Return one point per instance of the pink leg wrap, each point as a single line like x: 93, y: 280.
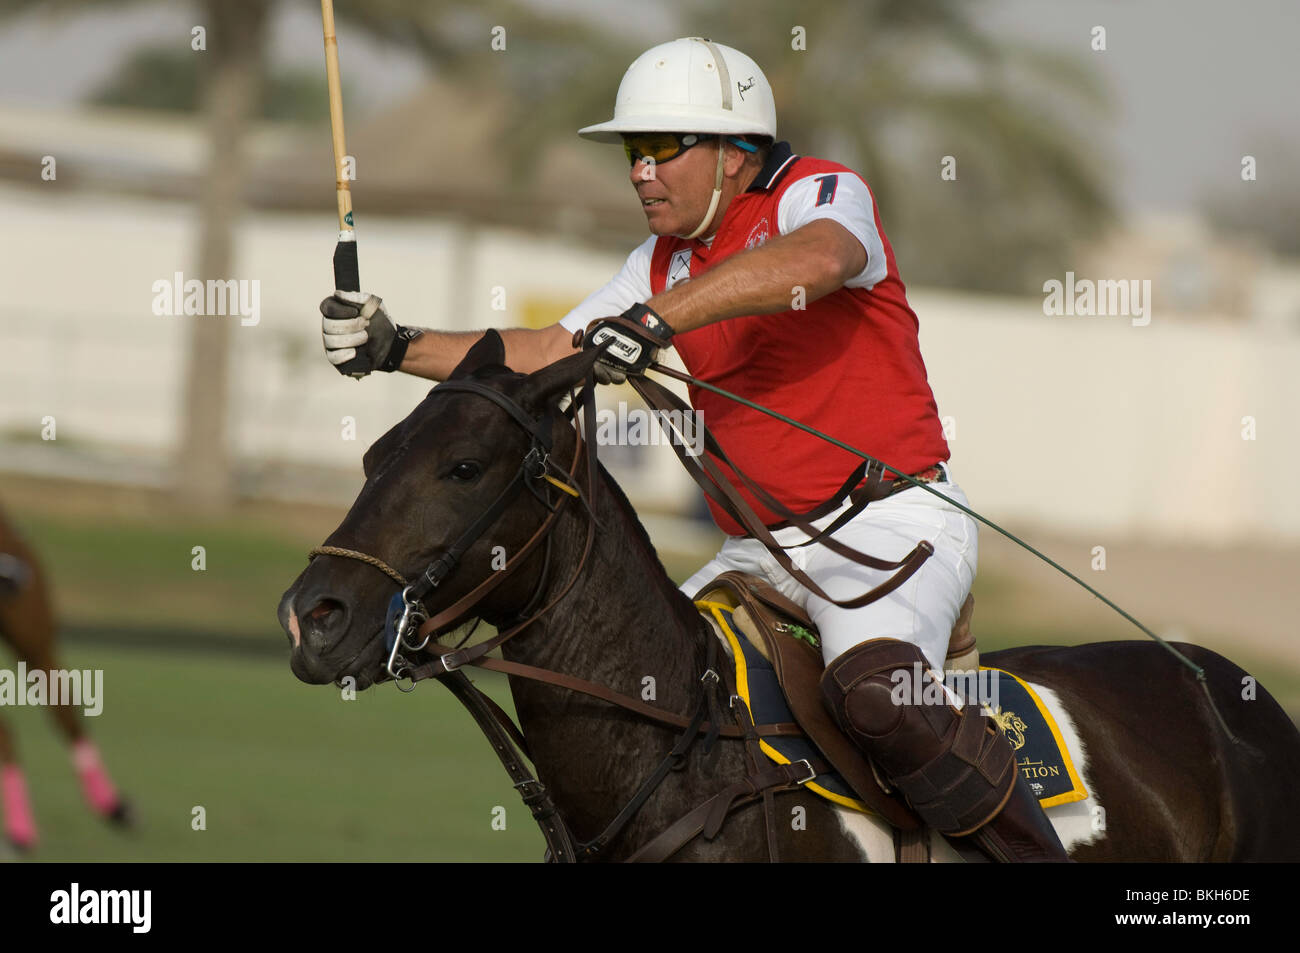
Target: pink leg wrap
x: 20, y: 823
x: 96, y: 785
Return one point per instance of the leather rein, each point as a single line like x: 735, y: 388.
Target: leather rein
x: 409, y: 626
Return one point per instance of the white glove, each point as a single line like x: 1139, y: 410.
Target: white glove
x: 354, y: 324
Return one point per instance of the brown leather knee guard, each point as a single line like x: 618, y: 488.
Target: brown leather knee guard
x: 954, y: 767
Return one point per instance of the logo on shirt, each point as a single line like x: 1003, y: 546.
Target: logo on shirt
x: 758, y: 234
x: 679, y: 267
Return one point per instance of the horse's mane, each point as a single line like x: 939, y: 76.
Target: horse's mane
x: 664, y: 580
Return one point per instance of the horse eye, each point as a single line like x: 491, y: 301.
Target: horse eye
x: 464, y: 471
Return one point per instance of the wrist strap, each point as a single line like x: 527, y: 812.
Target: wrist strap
x: 397, y: 353
x: 648, y: 318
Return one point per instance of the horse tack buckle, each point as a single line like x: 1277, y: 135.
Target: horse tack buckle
x: 812, y: 773
x: 535, y: 462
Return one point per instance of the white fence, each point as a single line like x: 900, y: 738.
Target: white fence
x: 1082, y: 424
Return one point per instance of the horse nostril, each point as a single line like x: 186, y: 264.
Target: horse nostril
x: 324, y: 623
x: 323, y: 609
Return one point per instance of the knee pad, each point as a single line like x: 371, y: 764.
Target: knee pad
x: 953, y: 765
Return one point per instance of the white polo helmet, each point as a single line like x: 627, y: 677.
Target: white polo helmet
x: 690, y: 85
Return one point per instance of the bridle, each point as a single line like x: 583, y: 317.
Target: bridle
x: 406, y: 618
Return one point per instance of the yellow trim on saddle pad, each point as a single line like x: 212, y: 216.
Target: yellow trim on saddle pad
x: 742, y: 689
x: 1077, y: 791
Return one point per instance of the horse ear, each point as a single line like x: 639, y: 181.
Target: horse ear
x: 489, y: 349
x: 542, y: 387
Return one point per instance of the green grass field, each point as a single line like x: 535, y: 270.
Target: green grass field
x: 202, y: 710
x: 285, y: 771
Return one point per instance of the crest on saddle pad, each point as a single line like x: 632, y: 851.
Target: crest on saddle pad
x: 762, y: 681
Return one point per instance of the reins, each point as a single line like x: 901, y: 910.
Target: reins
x: 408, y: 626
x: 406, y: 614
x: 658, y: 396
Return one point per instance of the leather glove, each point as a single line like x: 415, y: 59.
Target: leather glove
x: 637, y: 335
x: 355, y: 324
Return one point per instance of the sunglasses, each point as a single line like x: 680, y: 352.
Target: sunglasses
x: 659, y: 147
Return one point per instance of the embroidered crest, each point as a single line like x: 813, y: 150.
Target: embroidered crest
x: 679, y: 267
x: 758, y: 234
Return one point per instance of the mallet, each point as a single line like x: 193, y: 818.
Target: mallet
x: 346, y: 274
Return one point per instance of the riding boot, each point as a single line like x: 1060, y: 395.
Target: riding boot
x: 1021, y: 832
x: 953, y: 765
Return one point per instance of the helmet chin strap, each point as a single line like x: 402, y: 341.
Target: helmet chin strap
x: 717, y: 194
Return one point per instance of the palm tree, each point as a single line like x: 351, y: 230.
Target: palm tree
x: 889, y: 87
x: 453, y: 34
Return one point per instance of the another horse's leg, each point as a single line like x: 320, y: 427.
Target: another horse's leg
x: 96, y: 786
x: 27, y: 623
x: 19, y: 821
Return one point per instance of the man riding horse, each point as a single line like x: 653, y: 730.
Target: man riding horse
x: 772, y: 276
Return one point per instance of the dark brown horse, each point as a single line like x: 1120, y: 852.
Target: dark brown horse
x: 27, y: 625
x: 1165, y: 783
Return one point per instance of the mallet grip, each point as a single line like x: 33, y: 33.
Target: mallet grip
x: 347, y: 275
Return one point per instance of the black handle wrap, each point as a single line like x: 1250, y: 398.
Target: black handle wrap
x: 347, y: 277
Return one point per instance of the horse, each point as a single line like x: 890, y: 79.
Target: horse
x: 1164, y: 780
x: 27, y: 624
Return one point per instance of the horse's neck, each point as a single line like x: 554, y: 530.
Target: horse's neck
x: 623, y: 620
x: 623, y: 625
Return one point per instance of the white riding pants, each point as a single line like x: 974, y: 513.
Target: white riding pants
x: 922, y: 611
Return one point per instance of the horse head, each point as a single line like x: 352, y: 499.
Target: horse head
x: 428, y: 480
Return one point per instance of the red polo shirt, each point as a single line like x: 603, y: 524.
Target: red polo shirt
x: 848, y: 364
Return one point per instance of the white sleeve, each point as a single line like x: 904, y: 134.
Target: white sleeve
x: 844, y: 198
x: 630, y: 286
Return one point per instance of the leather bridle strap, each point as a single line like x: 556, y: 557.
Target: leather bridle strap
x: 532, y: 467
x: 596, y: 690
x: 454, y: 659
x: 708, y: 817
x: 559, y: 841
x: 454, y: 613
x: 675, y: 760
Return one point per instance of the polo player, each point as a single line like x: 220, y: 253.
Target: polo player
x: 771, y: 275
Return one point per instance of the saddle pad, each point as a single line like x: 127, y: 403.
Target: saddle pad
x: 756, y: 683
x: 1040, y: 753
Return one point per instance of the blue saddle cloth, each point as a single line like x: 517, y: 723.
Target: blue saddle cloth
x: 1019, y: 712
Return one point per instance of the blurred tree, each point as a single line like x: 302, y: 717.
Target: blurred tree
x: 168, y: 79
x: 1266, y: 207
x: 455, y: 35
x: 890, y: 87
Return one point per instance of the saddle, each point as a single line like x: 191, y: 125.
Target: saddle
x: 781, y: 632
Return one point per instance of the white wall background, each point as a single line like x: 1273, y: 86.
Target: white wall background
x: 1080, y: 424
